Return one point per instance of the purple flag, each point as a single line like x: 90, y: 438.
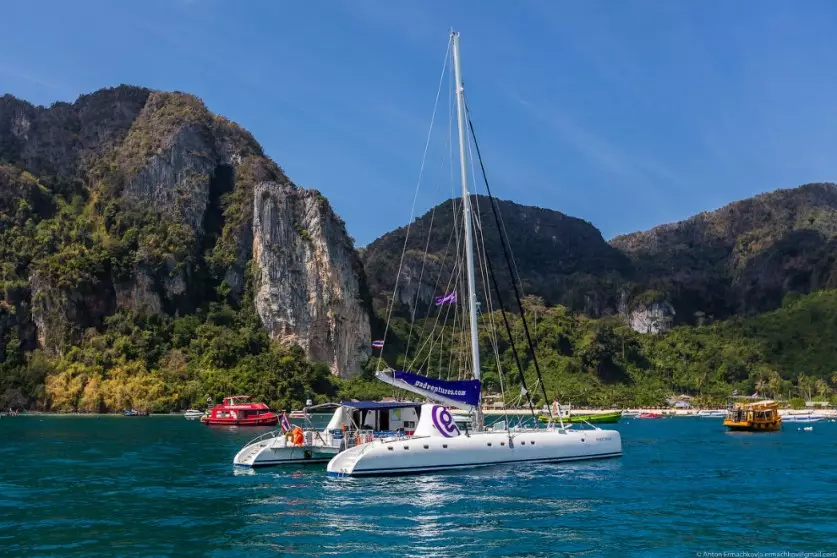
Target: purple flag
x: 449, y: 298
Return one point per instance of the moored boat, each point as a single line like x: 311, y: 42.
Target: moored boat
x: 352, y: 423
x: 803, y: 417
x: 754, y: 417
x: 607, y: 417
x: 707, y: 413
x: 192, y: 414
x: 238, y: 410
x: 438, y: 444
x: 649, y: 415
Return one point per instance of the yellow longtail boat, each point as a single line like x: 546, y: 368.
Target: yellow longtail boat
x: 754, y: 417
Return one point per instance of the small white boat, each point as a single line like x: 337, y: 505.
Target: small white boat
x: 192, y: 414
x: 707, y: 413
x: 803, y: 417
x: 298, y: 415
x: 630, y: 413
x: 353, y: 423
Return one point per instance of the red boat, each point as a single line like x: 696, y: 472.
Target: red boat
x: 650, y: 415
x: 239, y: 411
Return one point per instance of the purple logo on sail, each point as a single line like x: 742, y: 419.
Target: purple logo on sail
x: 443, y: 421
x: 447, y: 298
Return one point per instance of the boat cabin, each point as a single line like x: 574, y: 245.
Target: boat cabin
x: 368, y: 420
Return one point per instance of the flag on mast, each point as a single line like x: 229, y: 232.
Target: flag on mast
x: 447, y: 298
x: 378, y: 344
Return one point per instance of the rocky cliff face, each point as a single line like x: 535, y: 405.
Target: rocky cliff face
x: 743, y: 258
x: 307, y: 276
x: 159, y: 206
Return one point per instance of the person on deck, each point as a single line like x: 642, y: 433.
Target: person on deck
x: 298, y: 437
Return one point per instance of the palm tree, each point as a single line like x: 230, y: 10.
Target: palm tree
x: 774, y: 383
x: 822, y: 388
x: 761, y: 386
x: 806, y: 386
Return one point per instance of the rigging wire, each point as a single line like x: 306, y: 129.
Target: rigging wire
x: 500, y: 230
x: 482, y: 257
x: 415, y: 199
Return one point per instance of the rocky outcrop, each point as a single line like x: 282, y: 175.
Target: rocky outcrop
x: 654, y: 318
x: 176, y: 221
x: 308, y: 277
x: 742, y: 258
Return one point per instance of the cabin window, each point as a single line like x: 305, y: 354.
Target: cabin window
x: 532, y: 442
x: 502, y: 443
x: 445, y: 446
x: 409, y: 424
x: 522, y: 443
x: 426, y: 446
x: 406, y: 447
x: 489, y: 444
x: 390, y: 448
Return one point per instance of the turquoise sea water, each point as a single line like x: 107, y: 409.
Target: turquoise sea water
x: 164, y: 486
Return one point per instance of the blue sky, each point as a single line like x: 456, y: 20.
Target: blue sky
x: 627, y: 114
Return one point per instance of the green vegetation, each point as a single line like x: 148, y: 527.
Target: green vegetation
x: 787, y: 353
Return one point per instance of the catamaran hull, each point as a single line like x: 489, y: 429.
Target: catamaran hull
x: 265, y: 455
x: 430, y: 454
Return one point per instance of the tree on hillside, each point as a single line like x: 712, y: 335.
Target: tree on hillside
x: 822, y: 388
x: 806, y: 386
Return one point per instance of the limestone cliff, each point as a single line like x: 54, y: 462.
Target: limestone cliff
x: 307, y: 276
x: 157, y: 206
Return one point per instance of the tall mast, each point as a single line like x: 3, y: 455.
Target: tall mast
x: 466, y: 206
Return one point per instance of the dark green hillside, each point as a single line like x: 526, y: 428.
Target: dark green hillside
x: 560, y: 258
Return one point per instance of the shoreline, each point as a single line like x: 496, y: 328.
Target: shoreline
x: 829, y: 412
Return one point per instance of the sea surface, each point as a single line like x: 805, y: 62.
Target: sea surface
x: 165, y: 486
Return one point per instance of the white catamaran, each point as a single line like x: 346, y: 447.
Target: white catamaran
x: 438, y: 443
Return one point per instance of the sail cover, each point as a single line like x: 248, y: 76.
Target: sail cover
x: 460, y: 393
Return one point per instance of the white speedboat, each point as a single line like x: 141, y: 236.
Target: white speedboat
x: 707, y: 413
x: 352, y: 423
x: 803, y: 417
x: 438, y: 444
x: 192, y: 414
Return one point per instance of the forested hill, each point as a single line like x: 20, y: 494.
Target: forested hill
x: 741, y: 259
x: 562, y: 259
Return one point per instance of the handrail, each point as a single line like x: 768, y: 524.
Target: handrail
x: 276, y: 434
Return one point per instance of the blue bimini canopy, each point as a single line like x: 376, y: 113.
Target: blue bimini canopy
x: 365, y: 405
x: 375, y: 405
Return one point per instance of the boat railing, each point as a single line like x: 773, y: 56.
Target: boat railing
x: 278, y: 434
x: 354, y: 437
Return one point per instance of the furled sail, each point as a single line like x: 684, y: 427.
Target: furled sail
x: 464, y: 394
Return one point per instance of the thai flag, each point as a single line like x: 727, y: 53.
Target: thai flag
x: 286, y: 424
x: 377, y: 344
x: 447, y: 298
